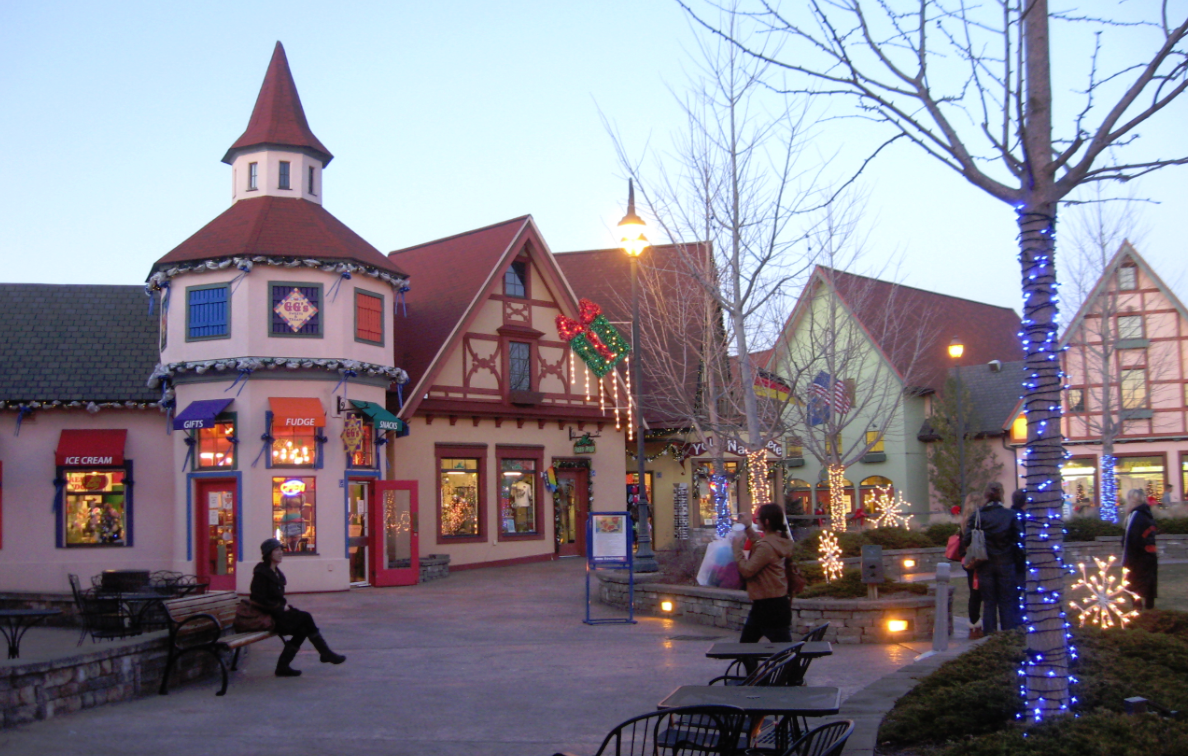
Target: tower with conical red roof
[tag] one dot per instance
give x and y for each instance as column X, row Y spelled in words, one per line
column 276, row 361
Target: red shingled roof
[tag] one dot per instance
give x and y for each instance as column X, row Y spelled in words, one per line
column 449, row 274
column 988, row 332
column 604, row 276
column 278, row 118
column 277, row 227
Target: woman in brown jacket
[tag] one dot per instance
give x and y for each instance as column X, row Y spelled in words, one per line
column 764, row 573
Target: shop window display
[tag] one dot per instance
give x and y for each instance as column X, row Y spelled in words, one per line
column 517, row 496
column 294, row 447
column 1079, row 478
column 95, row 508
column 459, row 497
column 358, row 440
column 294, row 514
column 216, row 446
column 705, row 501
column 1143, row 473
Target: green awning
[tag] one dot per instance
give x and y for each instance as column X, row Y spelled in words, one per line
column 384, row 420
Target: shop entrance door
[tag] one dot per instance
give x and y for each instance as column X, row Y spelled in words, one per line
column 358, row 527
column 215, row 520
column 395, row 559
column 571, row 501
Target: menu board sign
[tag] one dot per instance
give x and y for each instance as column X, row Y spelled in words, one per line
column 610, row 539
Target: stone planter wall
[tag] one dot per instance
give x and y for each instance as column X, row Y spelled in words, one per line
column 850, row 620
column 98, row 675
column 61, row 601
column 434, row 567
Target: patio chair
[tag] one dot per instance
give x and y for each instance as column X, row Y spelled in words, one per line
column 100, row 617
column 827, row 740
column 816, row 634
column 769, row 672
column 700, row 730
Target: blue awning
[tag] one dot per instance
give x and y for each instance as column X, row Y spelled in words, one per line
column 200, row 414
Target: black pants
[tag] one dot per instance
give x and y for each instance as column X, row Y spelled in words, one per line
column 769, row 618
column 1000, row 593
column 296, row 623
column 975, row 598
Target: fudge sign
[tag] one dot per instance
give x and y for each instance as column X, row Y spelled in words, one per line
column 300, row 421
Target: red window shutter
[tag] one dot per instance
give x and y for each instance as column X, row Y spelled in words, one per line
column 369, row 317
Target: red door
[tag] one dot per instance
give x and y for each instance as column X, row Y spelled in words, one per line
column 394, row 556
column 571, row 502
column 215, row 530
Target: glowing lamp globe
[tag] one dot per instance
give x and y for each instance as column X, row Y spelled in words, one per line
column 956, row 348
column 631, row 229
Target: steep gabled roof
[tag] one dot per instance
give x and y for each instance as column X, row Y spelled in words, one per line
column 988, row 332
column 76, row 343
column 994, row 394
column 452, row 276
column 1125, row 252
column 604, row 276
column 278, row 118
column 277, row 227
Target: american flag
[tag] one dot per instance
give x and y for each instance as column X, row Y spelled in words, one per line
column 832, row 393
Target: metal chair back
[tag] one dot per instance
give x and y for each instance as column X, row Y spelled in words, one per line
column 688, row 730
column 817, row 634
column 826, row 740
column 775, row 670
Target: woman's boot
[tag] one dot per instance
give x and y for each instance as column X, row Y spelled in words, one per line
column 328, row 656
column 282, row 664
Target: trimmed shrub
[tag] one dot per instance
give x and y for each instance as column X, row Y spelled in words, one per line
column 850, row 585
column 938, row 533
column 897, row 538
column 1089, row 528
column 1172, row 525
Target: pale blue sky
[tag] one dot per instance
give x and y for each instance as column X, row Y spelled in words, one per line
column 442, row 117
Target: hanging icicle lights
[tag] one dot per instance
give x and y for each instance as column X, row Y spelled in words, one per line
column 830, row 556
column 837, row 497
column 630, row 401
column 1109, row 489
column 1044, row 676
column 757, row 477
column 1107, row 597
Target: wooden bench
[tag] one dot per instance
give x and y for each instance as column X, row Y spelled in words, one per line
column 206, row 623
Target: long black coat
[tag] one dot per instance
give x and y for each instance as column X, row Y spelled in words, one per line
column 1002, row 531
column 1139, row 555
column 268, row 589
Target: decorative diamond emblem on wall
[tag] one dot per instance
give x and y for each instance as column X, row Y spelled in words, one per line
column 296, row 310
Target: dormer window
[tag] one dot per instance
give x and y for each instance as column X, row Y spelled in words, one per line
column 253, row 176
column 515, row 280
column 284, row 175
column 309, row 185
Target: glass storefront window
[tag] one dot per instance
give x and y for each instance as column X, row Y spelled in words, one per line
column 872, row 487
column 633, row 479
column 705, row 501
column 797, row 494
column 215, row 447
column 517, row 496
column 95, row 508
column 358, row 437
column 459, row 497
column 1143, row 473
column 294, row 514
column 295, row 447
column 1079, row 477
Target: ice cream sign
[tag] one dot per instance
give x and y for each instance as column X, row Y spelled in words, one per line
column 296, row 310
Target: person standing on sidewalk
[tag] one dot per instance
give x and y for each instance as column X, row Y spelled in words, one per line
column 974, row 607
column 1139, row 554
column 766, row 578
column 996, row 575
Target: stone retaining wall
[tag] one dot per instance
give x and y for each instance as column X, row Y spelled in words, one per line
column 850, row 620
column 113, row 671
column 434, row 567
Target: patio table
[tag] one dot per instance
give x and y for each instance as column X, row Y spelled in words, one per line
column 788, row 704
column 757, row 651
column 14, row 623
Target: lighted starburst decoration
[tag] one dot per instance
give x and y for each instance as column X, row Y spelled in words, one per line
column 1106, row 596
column 890, row 509
column 830, row 556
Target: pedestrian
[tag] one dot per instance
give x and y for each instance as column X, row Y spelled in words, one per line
column 268, row 594
column 974, row 606
column 1139, row 556
column 766, row 577
column 996, row 575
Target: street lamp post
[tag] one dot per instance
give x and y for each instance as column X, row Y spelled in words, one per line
column 956, row 349
column 633, row 242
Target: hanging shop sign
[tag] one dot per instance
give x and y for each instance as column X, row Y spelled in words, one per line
column 701, row 448
column 296, row 310
column 584, row 445
column 593, row 338
column 353, row 434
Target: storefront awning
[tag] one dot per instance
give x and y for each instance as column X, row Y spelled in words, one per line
column 290, row 412
column 91, row 448
column 384, row 420
column 200, row 414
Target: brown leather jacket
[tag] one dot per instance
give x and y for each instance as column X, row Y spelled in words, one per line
column 764, row 569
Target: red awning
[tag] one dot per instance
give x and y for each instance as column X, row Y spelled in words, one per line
column 91, row 448
column 289, row 413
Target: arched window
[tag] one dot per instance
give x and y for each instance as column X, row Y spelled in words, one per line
column 872, row 487
column 847, row 492
column 797, row 495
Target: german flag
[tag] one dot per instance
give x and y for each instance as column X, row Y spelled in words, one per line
column 771, row 386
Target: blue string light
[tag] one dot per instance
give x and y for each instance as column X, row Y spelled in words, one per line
column 1109, row 489
column 719, row 488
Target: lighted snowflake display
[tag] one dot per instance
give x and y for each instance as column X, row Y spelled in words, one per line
column 830, row 557
column 1106, row 597
column 889, row 509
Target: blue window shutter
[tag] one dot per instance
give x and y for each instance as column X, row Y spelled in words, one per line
column 208, row 312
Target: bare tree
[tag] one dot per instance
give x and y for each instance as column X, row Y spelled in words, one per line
column 956, row 466
column 970, row 85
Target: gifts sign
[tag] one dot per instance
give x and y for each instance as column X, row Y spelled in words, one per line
column 593, row 338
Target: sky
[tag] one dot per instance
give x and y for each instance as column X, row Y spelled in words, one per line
column 443, row 117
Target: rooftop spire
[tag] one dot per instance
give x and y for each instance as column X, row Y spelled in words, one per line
column 278, row 118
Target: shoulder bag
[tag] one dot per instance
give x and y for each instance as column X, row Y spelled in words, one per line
column 976, row 553
column 249, row 617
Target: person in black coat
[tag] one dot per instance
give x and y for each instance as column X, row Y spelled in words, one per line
column 268, row 593
column 1139, row 556
column 996, row 575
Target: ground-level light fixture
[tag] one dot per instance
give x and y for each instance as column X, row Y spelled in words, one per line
column 666, row 606
column 909, row 564
column 897, row 625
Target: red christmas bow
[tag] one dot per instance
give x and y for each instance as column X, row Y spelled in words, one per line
column 570, row 329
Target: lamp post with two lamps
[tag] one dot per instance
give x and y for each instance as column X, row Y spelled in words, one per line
column 633, row 241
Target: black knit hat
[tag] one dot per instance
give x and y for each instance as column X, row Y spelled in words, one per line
column 268, row 547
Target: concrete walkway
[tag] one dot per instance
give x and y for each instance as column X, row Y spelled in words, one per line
column 487, row 662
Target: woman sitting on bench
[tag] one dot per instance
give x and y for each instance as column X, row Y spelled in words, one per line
column 268, row 593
